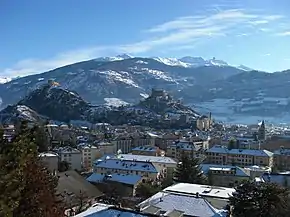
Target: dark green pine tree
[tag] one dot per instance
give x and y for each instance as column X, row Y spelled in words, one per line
column 189, row 171
column 26, row 187
column 260, row 200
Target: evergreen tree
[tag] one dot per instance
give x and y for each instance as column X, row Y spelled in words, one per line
column 189, row 171
column 260, row 200
column 27, row 189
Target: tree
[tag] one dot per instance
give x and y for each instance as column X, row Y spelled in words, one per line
column 63, row 166
column 189, row 171
column 260, row 200
column 231, row 144
column 146, row 190
column 27, row 189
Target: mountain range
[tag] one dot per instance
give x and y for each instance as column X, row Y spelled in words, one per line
column 238, row 90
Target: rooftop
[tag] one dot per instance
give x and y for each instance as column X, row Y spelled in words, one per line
column 186, row 204
column 70, row 184
column 104, row 210
column 120, row 164
column 238, row 170
column 48, row 154
column 145, row 148
column 143, row 158
column 202, row 190
column 67, row 150
column 121, row 178
column 184, row 145
column 225, row 150
column 282, row 151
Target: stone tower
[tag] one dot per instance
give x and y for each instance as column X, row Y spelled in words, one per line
column 262, row 131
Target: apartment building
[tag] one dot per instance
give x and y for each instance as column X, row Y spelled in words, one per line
column 148, row 151
column 123, row 143
column 225, row 175
column 72, row 156
column 282, row 159
column 89, row 154
column 106, row 148
column 178, row 148
column 239, row 157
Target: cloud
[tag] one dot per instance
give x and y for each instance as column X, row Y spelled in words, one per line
column 182, row 33
column 287, row 33
column 266, row 55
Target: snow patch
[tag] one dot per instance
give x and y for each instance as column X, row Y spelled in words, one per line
column 119, row 76
column 141, row 62
column 115, row 102
column 171, row 61
column 144, row 95
column 5, row 80
column 40, row 79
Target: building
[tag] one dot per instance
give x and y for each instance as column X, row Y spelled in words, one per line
column 123, row 143
column 282, row 159
column 50, row 161
column 147, row 150
column 72, row 186
column 239, row 157
column 204, row 123
column 72, row 156
column 164, row 165
column 225, row 175
column 89, row 154
column 262, row 131
column 188, row 200
column 177, row 149
column 106, row 148
column 123, row 185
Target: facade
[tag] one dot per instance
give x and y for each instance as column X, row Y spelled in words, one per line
column 123, row 144
column 89, row 154
column 106, row 148
column 282, row 159
column 223, row 175
column 72, row 156
column 177, row 149
column 147, row 150
column 239, row 157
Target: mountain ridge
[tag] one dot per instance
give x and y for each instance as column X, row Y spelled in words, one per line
column 128, row 79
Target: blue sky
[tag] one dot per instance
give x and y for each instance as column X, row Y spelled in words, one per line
column 36, row 36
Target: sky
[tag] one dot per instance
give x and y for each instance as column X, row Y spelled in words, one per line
column 36, row 36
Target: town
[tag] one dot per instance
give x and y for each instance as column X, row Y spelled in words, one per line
column 127, row 167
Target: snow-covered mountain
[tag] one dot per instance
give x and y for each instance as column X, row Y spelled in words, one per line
column 125, row 79
column 186, row 61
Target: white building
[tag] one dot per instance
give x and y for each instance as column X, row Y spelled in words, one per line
column 72, row 156
column 89, row 154
column 188, row 200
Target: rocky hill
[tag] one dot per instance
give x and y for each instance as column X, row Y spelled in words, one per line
column 53, row 102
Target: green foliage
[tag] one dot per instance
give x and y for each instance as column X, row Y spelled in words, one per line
column 231, row 144
column 188, row 171
column 261, row 200
column 26, row 188
column 63, row 166
column 146, row 190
